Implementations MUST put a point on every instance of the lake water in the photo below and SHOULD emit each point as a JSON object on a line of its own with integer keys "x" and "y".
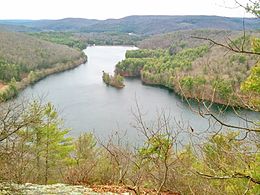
{"x": 87, "y": 104}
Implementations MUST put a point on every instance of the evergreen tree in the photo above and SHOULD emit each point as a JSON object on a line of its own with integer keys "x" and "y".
{"x": 48, "y": 142}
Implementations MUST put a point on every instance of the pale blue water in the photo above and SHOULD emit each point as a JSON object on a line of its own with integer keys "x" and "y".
{"x": 87, "y": 104}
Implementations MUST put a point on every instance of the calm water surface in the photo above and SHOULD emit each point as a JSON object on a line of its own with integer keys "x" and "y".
{"x": 87, "y": 104}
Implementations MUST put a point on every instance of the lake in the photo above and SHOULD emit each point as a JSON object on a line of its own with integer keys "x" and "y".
{"x": 87, "y": 104}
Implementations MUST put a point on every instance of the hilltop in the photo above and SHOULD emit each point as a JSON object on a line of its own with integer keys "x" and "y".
{"x": 149, "y": 25}
{"x": 142, "y": 25}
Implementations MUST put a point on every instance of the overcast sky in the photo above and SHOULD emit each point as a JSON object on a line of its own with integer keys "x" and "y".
{"x": 103, "y": 9}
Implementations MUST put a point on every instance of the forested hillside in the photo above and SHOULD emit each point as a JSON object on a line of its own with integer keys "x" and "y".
{"x": 142, "y": 25}
{"x": 66, "y": 24}
{"x": 183, "y": 39}
{"x": 63, "y": 38}
{"x": 23, "y": 56}
{"x": 81, "y": 40}
{"x": 193, "y": 67}
{"x": 149, "y": 25}
{"x": 109, "y": 38}
{"x": 16, "y": 27}
{"x": 30, "y": 53}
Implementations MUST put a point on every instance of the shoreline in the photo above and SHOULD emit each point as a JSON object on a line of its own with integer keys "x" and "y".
{"x": 229, "y": 103}
{"x": 7, "y": 92}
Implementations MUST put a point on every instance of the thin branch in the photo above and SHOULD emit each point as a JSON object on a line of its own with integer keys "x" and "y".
{"x": 231, "y": 126}
{"x": 229, "y": 47}
{"x": 233, "y": 176}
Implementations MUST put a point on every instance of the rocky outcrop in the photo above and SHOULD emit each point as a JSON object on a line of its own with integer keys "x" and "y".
{"x": 54, "y": 189}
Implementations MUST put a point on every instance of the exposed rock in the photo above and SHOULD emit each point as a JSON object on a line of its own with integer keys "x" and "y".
{"x": 54, "y": 189}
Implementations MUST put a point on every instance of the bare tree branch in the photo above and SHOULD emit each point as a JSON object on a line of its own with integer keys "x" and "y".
{"x": 229, "y": 47}
{"x": 233, "y": 176}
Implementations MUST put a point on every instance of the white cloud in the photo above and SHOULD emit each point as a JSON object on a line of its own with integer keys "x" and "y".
{"x": 103, "y": 9}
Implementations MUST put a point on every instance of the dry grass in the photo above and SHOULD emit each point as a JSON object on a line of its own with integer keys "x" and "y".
{"x": 2, "y": 85}
{"x": 125, "y": 189}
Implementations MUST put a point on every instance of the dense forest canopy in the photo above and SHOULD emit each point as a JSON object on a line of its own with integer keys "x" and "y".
{"x": 195, "y": 68}
{"x": 63, "y": 38}
{"x": 26, "y": 59}
{"x": 20, "y": 53}
{"x": 16, "y": 47}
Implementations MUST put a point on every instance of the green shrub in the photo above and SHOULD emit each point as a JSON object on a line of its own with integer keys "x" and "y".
{"x": 223, "y": 87}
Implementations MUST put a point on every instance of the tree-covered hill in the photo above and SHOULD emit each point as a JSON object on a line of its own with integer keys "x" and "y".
{"x": 31, "y": 53}
{"x": 142, "y": 25}
{"x": 16, "y": 27}
{"x": 26, "y": 59}
{"x": 193, "y": 67}
{"x": 148, "y": 25}
{"x": 81, "y": 40}
{"x": 63, "y": 38}
{"x": 66, "y": 24}
{"x": 109, "y": 38}
{"x": 183, "y": 38}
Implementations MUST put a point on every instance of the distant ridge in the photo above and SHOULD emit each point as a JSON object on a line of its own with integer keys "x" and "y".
{"x": 144, "y": 25}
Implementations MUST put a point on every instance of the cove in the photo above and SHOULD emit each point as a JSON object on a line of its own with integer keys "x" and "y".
{"x": 87, "y": 105}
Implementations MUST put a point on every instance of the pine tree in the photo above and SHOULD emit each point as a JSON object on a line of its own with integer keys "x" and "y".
{"x": 48, "y": 143}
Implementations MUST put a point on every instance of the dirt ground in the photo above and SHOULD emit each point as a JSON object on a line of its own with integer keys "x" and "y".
{"x": 1, "y": 85}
